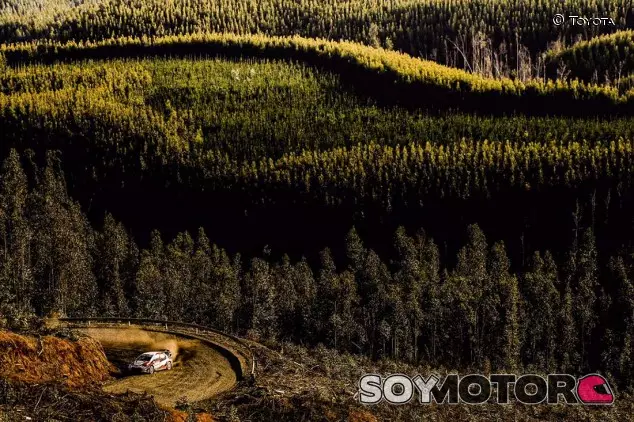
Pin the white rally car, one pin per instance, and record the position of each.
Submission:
(150, 362)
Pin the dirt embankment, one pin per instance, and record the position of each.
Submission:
(74, 364)
(50, 378)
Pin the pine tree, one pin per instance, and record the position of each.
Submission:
(479, 302)
(150, 283)
(621, 359)
(347, 330)
(372, 290)
(283, 277)
(227, 274)
(16, 280)
(458, 318)
(305, 291)
(261, 299)
(201, 287)
(429, 257)
(567, 333)
(585, 296)
(504, 314)
(111, 259)
(232, 289)
(355, 251)
(62, 244)
(178, 277)
(327, 287)
(412, 282)
(131, 268)
(542, 307)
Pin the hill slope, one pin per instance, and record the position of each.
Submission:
(395, 76)
(417, 27)
(602, 59)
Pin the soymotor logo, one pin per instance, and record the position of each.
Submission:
(477, 389)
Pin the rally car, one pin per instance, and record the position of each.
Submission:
(150, 362)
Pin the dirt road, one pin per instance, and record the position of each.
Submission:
(199, 370)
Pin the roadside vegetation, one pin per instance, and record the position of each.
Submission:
(308, 384)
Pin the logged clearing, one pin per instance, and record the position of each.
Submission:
(199, 372)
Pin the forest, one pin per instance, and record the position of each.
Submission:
(478, 313)
(457, 33)
(446, 183)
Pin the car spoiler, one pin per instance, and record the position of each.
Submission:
(168, 353)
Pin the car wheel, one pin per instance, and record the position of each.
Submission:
(169, 366)
(151, 371)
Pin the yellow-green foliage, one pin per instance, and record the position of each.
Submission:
(114, 76)
(458, 169)
(149, 115)
(605, 57)
(418, 27)
(250, 108)
(404, 68)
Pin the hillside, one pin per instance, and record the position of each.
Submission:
(256, 123)
(607, 58)
(399, 77)
(420, 28)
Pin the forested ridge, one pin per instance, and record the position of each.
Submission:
(607, 58)
(395, 77)
(252, 135)
(450, 32)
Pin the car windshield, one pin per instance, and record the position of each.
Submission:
(144, 357)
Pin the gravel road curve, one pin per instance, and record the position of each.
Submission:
(199, 371)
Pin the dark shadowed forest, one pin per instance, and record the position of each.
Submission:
(572, 314)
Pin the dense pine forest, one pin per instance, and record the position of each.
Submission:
(487, 36)
(446, 183)
(607, 59)
(572, 316)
